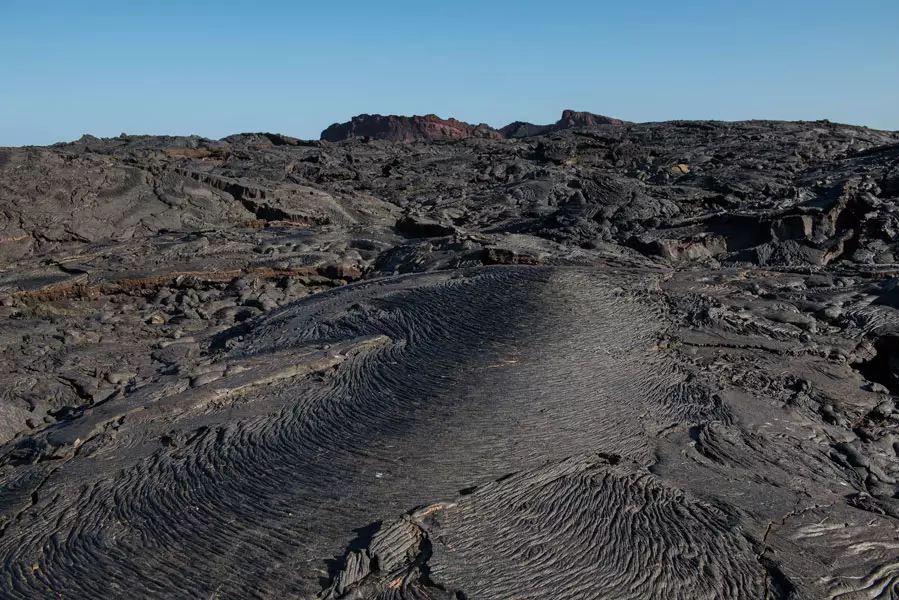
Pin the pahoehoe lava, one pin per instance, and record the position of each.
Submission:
(477, 376)
(427, 359)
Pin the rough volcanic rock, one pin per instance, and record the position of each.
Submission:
(595, 360)
(416, 226)
(573, 118)
(570, 119)
(406, 129)
(522, 129)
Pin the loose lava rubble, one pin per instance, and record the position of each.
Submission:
(427, 359)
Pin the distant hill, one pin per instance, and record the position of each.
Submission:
(396, 128)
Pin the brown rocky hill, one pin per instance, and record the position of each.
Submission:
(406, 129)
(394, 128)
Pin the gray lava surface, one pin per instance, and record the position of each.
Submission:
(595, 359)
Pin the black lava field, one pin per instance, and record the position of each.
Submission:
(588, 360)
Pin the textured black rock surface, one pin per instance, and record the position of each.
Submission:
(596, 359)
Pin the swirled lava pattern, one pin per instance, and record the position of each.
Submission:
(414, 389)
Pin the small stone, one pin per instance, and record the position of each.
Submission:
(879, 388)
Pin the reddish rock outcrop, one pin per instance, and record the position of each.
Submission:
(395, 128)
(406, 129)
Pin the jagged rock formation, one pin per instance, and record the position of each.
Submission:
(394, 128)
(573, 118)
(597, 360)
(406, 129)
(570, 119)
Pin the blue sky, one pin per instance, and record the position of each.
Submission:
(295, 67)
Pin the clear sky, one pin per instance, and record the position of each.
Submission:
(70, 67)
